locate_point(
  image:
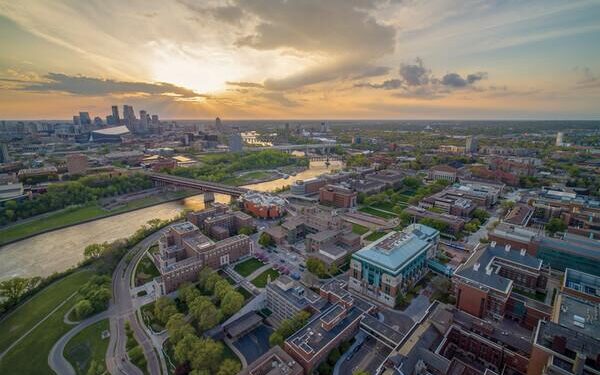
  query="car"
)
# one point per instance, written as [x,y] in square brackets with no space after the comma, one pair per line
[282,260]
[295,276]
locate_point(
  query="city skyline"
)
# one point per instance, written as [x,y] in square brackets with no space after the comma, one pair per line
[270,59]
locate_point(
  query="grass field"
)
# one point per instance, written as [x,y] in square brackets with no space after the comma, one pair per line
[244,292]
[87,346]
[260,281]
[145,271]
[359,229]
[34,310]
[30,355]
[248,266]
[376,212]
[375,236]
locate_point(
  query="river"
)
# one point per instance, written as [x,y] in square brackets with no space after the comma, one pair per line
[58,250]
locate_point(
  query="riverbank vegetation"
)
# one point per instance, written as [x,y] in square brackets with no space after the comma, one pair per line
[80,192]
[220,168]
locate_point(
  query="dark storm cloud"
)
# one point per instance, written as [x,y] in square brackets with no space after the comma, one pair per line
[457,81]
[89,86]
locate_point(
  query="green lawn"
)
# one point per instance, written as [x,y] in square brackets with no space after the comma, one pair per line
[386,206]
[359,229]
[30,356]
[376,212]
[248,266]
[27,315]
[86,346]
[145,271]
[375,236]
[260,281]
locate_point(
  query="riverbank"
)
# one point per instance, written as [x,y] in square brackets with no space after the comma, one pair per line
[82,214]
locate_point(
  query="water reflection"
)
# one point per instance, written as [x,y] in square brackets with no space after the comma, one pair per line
[60,249]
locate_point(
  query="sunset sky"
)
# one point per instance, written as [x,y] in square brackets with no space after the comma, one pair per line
[346,59]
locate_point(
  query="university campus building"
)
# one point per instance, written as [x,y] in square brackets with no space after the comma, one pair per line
[393,263]
[184,251]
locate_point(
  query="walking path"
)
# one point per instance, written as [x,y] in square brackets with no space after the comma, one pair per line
[262,269]
[37,325]
[56,359]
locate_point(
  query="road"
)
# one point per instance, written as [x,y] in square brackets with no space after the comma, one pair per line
[56,358]
[122,310]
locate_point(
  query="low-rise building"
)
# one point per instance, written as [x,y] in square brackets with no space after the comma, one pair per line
[264,205]
[49,172]
[390,265]
[450,202]
[286,298]
[454,224]
[568,343]
[274,362]
[77,164]
[184,251]
[443,172]
[337,196]
[449,341]
[308,187]
[485,284]
[520,215]
[392,178]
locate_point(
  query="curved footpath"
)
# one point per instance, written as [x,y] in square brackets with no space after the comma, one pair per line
[122,310]
[56,359]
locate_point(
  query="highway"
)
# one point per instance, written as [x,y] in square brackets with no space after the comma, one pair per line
[122,310]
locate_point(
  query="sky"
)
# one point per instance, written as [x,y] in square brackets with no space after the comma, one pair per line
[301,59]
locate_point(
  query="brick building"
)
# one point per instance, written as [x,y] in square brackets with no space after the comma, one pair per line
[454,223]
[274,362]
[264,205]
[485,285]
[443,172]
[77,164]
[184,251]
[337,196]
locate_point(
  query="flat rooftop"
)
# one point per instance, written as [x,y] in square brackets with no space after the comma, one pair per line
[396,249]
[573,244]
[582,282]
[578,315]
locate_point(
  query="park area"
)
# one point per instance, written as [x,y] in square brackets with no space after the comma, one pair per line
[88,348]
[260,281]
[248,266]
[30,331]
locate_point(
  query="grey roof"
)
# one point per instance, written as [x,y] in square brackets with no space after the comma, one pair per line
[573,244]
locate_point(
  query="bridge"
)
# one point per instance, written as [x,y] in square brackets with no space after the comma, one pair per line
[190,183]
[306,147]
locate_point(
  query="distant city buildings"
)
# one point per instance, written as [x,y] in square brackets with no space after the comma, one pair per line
[236,144]
[471,145]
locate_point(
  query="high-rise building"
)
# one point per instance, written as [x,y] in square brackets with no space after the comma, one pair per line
[98,121]
[115,115]
[128,115]
[110,120]
[84,118]
[76,120]
[235,142]
[143,121]
[471,146]
[559,138]
[155,120]
[4,156]
[218,124]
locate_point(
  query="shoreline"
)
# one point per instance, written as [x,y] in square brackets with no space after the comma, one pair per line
[109,214]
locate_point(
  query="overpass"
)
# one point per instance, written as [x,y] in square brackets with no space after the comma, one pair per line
[190,183]
[306,147]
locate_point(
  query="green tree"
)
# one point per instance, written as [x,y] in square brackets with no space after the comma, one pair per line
[178,328]
[13,289]
[95,368]
[316,267]
[246,230]
[360,372]
[83,309]
[265,240]
[229,367]
[555,225]
[94,251]
[206,355]
[232,302]
[203,276]
[480,214]
[221,288]
[184,349]
[205,313]
[164,308]
[188,292]
[211,282]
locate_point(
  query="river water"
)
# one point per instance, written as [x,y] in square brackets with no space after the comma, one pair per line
[58,250]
